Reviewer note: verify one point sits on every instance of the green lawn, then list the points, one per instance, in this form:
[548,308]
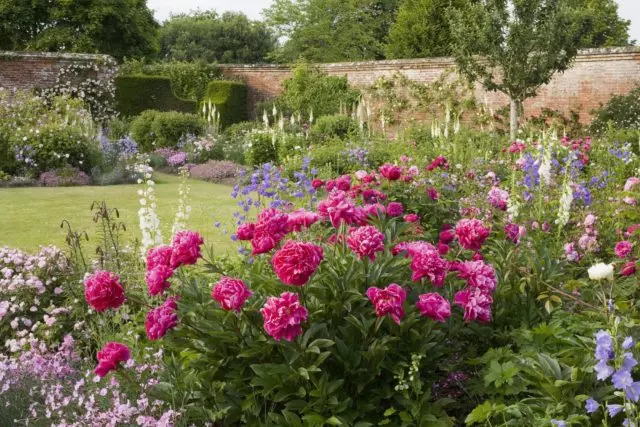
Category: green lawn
[30,217]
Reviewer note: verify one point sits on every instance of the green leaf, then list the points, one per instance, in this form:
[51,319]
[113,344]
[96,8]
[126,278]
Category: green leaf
[334,421]
[480,414]
[389,412]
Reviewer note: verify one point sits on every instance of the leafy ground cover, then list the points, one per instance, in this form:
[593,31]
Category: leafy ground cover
[30,217]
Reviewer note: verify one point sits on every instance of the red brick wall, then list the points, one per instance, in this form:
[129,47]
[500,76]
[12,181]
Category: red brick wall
[596,75]
[25,70]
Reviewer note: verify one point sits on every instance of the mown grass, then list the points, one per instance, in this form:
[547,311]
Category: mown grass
[30,217]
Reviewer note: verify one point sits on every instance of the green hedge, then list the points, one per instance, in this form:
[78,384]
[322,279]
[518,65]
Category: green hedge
[135,94]
[230,99]
[156,129]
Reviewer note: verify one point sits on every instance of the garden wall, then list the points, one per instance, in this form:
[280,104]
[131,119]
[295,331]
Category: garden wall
[25,70]
[594,77]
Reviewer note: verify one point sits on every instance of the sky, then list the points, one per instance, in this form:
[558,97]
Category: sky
[628,9]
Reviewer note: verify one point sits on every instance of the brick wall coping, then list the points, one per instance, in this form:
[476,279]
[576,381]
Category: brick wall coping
[9,55]
[584,55]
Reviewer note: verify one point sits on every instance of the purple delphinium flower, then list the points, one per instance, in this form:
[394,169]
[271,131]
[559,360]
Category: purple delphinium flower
[614,409]
[591,405]
[628,343]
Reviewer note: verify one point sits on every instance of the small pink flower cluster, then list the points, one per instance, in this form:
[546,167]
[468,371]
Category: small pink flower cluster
[498,198]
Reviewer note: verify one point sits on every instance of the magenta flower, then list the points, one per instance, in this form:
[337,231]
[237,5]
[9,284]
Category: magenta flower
[245,231]
[160,255]
[498,198]
[161,319]
[513,232]
[102,290]
[477,274]
[434,306]
[391,172]
[471,233]
[110,356]
[476,304]
[186,248]
[395,209]
[271,228]
[427,263]
[628,269]
[283,316]
[231,293]
[365,241]
[339,208]
[374,210]
[301,219]
[296,262]
[623,249]
[157,279]
[388,301]
[411,218]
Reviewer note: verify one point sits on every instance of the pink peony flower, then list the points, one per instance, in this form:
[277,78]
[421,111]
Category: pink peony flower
[411,218]
[498,198]
[161,319]
[590,220]
[339,208]
[365,241]
[360,175]
[110,356]
[438,162]
[302,219]
[433,194]
[447,235]
[443,249]
[343,183]
[476,304]
[629,268]
[374,210]
[517,147]
[317,183]
[391,172]
[631,182]
[631,201]
[160,255]
[623,249]
[413,248]
[429,264]
[388,301]
[395,209]
[186,248]
[477,274]
[157,279]
[245,231]
[283,316]
[296,262]
[513,232]
[471,233]
[434,306]
[570,252]
[231,293]
[371,196]
[102,290]
[588,243]
[271,228]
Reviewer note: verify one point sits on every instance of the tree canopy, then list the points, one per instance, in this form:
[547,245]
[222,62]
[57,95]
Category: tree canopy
[514,46]
[116,27]
[227,38]
[331,30]
[421,29]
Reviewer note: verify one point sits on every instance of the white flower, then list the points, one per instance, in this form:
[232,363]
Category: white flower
[601,271]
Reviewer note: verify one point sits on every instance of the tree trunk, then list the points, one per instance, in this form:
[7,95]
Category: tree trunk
[513,119]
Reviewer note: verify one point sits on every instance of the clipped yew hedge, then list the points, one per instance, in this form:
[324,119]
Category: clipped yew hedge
[135,94]
[230,99]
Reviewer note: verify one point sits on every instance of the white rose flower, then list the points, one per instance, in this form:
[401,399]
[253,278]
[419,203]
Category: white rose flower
[601,271]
